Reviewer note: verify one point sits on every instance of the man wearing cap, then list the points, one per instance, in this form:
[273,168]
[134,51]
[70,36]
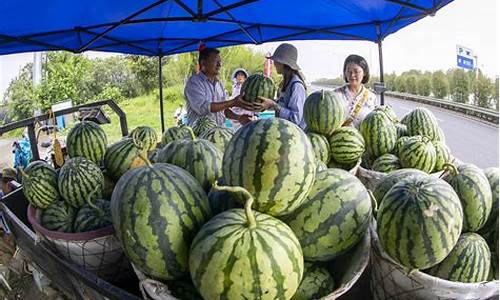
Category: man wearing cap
[8,181]
[206,96]
[290,104]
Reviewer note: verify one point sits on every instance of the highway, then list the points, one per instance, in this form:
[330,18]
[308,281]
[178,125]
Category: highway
[470,140]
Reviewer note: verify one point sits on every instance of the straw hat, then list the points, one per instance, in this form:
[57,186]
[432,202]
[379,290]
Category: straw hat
[9,173]
[286,54]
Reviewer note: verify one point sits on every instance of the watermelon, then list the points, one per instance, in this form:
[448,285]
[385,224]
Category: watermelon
[156,212]
[199,157]
[419,153]
[469,261]
[40,184]
[183,289]
[243,254]
[321,166]
[346,145]
[203,124]
[320,146]
[334,217]
[222,200]
[153,154]
[78,178]
[367,160]
[87,139]
[440,135]
[316,283]
[443,155]
[93,215]
[176,133]
[274,160]
[347,167]
[389,112]
[379,133]
[419,221]
[491,225]
[474,191]
[422,121]
[219,136]
[59,216]
[387,182]
[324,112]
[109,185]
[146,136]
[258,85]
[386,163]
[401,130]
[123,156]
[399,144]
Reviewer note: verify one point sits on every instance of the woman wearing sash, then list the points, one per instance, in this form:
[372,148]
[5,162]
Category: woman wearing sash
[358,100]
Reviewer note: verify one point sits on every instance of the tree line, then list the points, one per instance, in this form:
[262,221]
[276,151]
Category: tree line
[455,85]
[82,79]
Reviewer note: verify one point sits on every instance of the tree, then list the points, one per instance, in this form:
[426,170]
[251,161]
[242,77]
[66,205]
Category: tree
[400,84]
[20,97]
[145,70]
[459,86]
[482,90]
[390,81]
[424,85]
[411,84]
[440,86]
[495,93]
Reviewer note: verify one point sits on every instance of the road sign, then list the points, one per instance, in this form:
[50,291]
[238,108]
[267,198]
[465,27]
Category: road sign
[465,58]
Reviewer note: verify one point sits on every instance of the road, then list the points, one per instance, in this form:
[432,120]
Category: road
[469,140]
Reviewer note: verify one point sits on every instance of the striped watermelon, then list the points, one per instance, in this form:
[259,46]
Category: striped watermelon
[199,157]
[399,144]
[219,136]
[387,182]
[59,216]
[321,166]
[474,191]
[367,160]
[93,215]
[87,139]
[491,226]
[316,283]
[183,289]
[389,112]
[78,179]
[336,165]
[469,261]
[202,125]
[386,163]
[443,155]
[222,200]
[440,135]
[334,217]
[242,254]
[274,160]
[176,133]
[323,112]
[40,184]
[422,121]
[419,153]
[379,133]
[419,221]
[109,185]
[157,210]
[123,156]
[258,85]
[401,130]
[346,145]
[146,136]
[320,146]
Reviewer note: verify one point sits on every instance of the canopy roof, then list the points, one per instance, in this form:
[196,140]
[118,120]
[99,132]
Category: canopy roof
[163,27]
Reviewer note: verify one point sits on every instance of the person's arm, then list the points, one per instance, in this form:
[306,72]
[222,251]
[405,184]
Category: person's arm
[242,119]
[294,109]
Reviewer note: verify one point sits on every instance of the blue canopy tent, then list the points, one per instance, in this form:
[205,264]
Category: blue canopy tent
[164,27]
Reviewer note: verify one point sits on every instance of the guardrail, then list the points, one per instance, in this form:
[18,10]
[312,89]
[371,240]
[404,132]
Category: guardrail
[488,115]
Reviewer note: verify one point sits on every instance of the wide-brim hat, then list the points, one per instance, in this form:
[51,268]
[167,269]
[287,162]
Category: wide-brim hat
[286,54]
[8,173]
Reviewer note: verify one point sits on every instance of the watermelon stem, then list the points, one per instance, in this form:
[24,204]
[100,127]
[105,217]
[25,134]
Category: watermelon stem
[23,173]
[248,203]
[193,136]
[100,211]
[145,159]
[450,167]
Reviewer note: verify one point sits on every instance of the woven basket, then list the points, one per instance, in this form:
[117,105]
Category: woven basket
[97,251]
[350,266]
[390,280]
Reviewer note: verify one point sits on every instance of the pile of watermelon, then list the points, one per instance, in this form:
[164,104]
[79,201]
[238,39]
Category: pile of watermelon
[415,142]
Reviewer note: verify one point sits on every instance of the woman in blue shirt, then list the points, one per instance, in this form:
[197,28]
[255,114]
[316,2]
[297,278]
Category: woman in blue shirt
[290,104]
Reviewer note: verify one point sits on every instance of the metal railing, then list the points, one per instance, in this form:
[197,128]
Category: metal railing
[485,114]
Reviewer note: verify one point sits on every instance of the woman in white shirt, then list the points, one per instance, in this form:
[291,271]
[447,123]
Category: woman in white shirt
[358,100]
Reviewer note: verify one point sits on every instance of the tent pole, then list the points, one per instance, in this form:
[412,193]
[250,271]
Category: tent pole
[381,62]
[160,83]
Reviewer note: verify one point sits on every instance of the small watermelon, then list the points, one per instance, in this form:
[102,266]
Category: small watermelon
[59,216]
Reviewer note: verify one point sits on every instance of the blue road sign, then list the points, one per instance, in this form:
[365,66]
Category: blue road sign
[465,62]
